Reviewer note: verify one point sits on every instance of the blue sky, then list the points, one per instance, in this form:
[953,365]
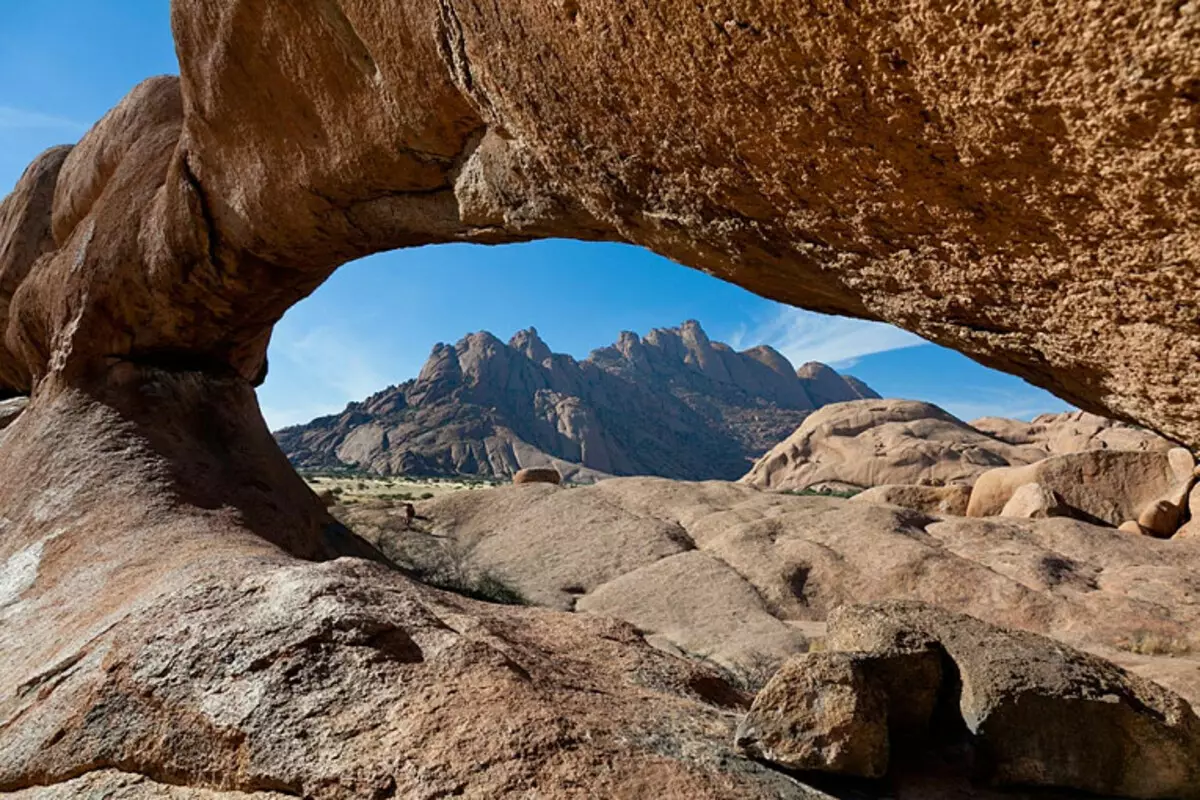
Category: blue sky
[64,64]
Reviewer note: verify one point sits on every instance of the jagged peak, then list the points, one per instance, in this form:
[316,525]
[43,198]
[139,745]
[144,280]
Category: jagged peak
[530,344]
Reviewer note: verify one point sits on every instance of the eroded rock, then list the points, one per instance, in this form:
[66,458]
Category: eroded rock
[1034,501]
[820,712]
[1041,713]
[1106,486]
[869,443]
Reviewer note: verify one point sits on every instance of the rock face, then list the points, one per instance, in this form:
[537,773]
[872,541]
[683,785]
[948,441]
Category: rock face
[414,124]
[883,442]
[673,404]
[1036,713]
[189,649]
[1014,180]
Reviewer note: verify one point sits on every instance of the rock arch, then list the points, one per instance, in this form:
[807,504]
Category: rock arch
[1018,181]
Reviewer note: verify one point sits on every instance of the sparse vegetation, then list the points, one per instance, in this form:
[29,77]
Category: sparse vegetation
[1153,643]
[844,494]
[444,566]
[749,674]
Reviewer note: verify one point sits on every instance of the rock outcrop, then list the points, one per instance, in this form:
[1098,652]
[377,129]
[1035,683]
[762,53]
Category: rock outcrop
[1015,180]
[674,405]
[1105,486]
[1071,432]
[747,578]
[1036,713]
[870,443]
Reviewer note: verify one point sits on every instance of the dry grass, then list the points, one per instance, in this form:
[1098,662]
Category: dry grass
[1154,643]
[352,489]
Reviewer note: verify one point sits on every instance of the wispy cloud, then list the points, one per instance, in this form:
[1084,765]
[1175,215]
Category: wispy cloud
[327,368]
[807,336]
[24,119]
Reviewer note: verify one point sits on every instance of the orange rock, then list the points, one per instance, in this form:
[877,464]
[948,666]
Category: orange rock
[537,475]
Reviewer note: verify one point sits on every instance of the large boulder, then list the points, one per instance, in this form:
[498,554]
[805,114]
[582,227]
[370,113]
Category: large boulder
[1104,486]
[868,443]
[1034,501]
[537,475]
[1037,713]
[820,712]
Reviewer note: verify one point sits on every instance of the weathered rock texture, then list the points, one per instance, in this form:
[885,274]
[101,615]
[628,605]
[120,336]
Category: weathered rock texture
[187,647]
[1106,486]
[674,404]
[746,577]
[1016,180]
[883,442]
[1035,713]
[904,443]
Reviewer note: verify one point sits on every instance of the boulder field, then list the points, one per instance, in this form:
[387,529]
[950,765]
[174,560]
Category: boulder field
[180,615]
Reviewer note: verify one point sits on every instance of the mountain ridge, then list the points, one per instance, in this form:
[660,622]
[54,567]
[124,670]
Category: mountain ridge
[673,404]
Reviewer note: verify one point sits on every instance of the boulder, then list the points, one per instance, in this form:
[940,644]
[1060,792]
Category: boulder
[1038,712]
[1034,501]
[1161,518]
[537,475]
[1072,432]
[1104,486]
[931,499]
[868,443]
[1133,526]
[820,712]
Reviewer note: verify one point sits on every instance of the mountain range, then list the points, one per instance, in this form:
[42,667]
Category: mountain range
[672,404]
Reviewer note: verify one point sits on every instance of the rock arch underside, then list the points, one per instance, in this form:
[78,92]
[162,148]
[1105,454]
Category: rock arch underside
[1019,181]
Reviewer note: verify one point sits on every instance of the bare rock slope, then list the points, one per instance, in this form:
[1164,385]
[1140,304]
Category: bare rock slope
[674,405]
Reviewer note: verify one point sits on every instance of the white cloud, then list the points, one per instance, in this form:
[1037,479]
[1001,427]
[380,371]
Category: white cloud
[839,341]
[328,368]
[280,417]
[18,118]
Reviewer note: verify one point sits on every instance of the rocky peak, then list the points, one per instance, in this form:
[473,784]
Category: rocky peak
[824,385]
[674,404]
[772,359]
[529,344]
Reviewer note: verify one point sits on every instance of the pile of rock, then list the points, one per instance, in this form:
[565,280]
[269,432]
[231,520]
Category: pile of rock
[902,678]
